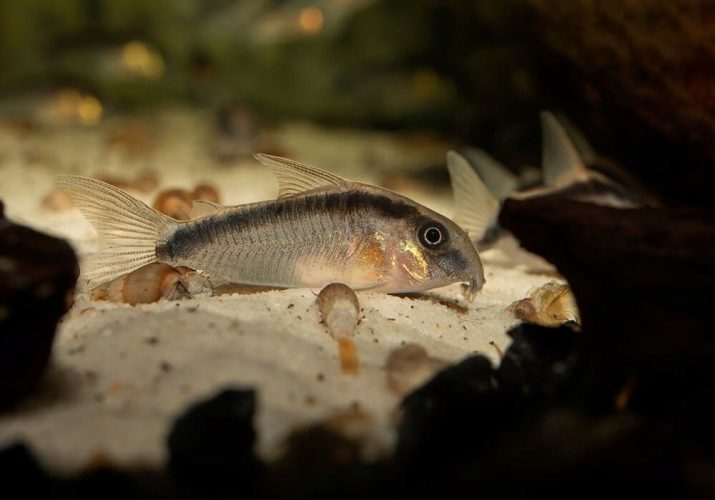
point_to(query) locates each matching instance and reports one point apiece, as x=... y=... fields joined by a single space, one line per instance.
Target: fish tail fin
x=477 y=208
x=128 y=229
x=498 y=179
x=561 y=161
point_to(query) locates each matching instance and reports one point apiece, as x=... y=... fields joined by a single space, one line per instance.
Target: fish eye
x=432 y=234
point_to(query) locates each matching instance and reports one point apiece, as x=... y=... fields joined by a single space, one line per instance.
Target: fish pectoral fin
x=561 y=162
x=499 y=180
x=296 y=178
x=202 y=208
x=477 y=208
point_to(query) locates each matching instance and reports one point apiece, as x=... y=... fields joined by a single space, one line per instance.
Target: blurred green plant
x=414 y=63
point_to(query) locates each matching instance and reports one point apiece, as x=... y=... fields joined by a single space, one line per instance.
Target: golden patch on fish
x=371 y=262
x=412 y=261
x=364 y=267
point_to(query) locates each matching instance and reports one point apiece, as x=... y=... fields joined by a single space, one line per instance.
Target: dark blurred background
x=637 y=77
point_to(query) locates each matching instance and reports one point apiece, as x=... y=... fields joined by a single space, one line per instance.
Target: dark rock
x=538 y=365
x=683 y=400
x=37 y=277
x=643 y=282
x=121 y=484
x=23 y=476
x=457 y=414
x=109 y=484
x=22 y=473
x=566 y=449
x=320 y=462
x=211 y=446
x=641 y=97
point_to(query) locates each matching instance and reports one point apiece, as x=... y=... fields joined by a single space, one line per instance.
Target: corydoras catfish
x=480 y=180
x=321 y=229
x=565 y=172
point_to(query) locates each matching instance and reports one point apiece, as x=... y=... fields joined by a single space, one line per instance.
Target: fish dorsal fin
x=296 y=178
x=561 y=162
x=584 y=149
x=202 y=208
x=498 y=179
x=476 y=207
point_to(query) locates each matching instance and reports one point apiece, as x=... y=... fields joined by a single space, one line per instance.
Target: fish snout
x=475 y=281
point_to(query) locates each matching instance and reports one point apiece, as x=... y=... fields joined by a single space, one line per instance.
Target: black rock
x=538 y=365
x=319 y=462
x=565 y=451
x=122 y=484
x=643 y=282
x=107 y=484
x=683 y=400
x=456 y=415
x=22 y=474
x=37 y=276
x=211 y=446
x=23 y=477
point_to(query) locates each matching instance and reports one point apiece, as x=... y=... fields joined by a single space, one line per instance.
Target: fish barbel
x=321 y=229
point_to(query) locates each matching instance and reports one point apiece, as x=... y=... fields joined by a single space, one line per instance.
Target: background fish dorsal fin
x=498 y=179
x=561 y=162
x=202 y=208
x=585 y=151
x=295 y=178
x=476 y=207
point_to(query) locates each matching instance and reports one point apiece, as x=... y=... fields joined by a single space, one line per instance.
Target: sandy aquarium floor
x=121 y=374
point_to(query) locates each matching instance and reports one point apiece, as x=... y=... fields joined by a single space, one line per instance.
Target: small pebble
x=409 y=366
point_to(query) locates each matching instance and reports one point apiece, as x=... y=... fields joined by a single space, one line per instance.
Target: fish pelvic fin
x=296 y=178
x=560 y=160
x=129 y=230
x=477 y=208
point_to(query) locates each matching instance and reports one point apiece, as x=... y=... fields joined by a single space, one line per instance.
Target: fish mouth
x=473 y=285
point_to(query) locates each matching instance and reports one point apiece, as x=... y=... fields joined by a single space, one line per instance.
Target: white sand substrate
x=120 y=374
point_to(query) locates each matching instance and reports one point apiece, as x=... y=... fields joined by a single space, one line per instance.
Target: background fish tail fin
x=588 y=155
x=498 y=179
x=561 y=162
x=477 y=208
x=128 y=229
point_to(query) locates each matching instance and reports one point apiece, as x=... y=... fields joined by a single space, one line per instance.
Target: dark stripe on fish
x=200 y=233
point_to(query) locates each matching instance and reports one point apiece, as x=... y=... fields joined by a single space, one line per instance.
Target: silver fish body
x=334 y=231
x=360 y=237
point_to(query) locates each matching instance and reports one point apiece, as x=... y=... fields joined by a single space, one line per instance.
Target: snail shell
x=175 y=203
x=57 y=201
x=151 y=283
x=552 y=304
x=205 y=192
x=409 y=366
x=339 y=309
